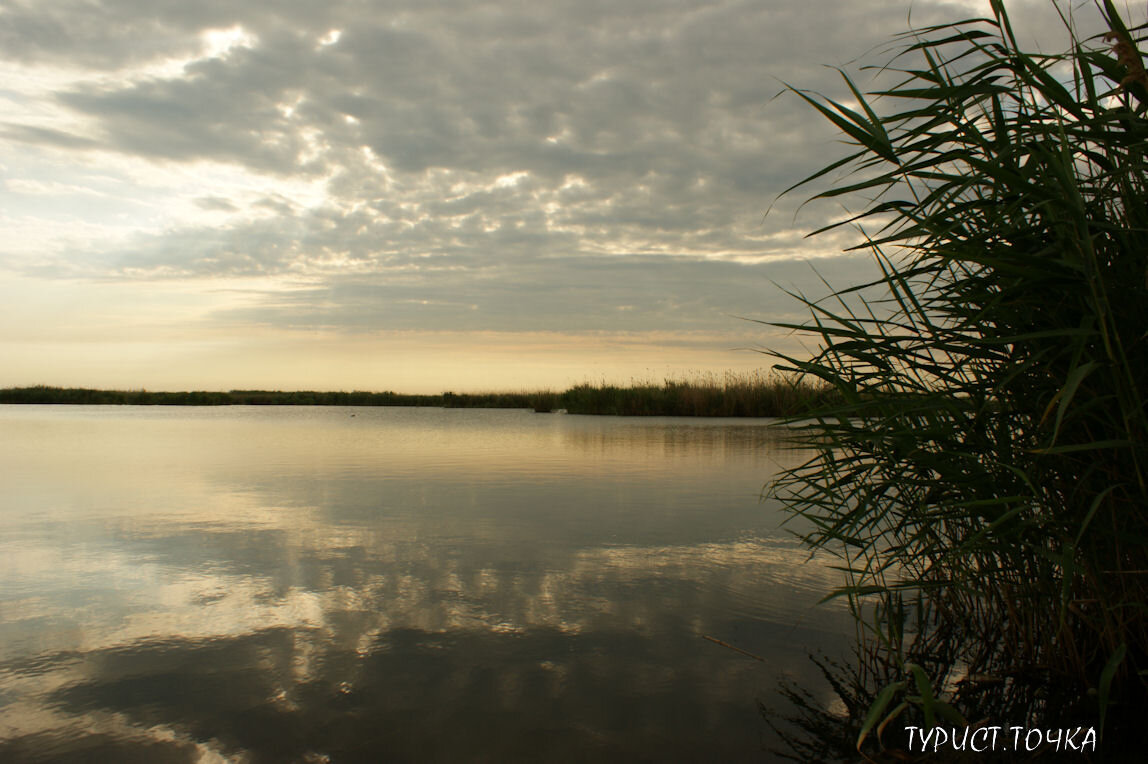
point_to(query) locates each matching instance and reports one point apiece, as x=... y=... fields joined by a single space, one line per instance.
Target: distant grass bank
x=732 y=395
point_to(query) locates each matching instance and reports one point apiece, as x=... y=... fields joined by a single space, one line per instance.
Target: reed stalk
x=983 y=475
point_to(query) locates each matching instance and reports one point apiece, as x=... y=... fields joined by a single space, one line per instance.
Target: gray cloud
x=543 y=165
x=618 y=294
x=45 y=135
x=215 y=204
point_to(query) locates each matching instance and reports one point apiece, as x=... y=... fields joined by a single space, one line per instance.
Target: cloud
x=558 y=165
x=45 y=136
x=215 y=204
x=615 y=294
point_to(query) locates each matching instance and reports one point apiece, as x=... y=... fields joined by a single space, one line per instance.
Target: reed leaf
x=987 y=447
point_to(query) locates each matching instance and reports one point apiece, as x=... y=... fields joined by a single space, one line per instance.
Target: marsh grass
x=983 y=473
x=757 y=394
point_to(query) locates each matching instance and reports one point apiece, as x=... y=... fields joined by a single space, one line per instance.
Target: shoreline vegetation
x=731 y=395
x=984 y=478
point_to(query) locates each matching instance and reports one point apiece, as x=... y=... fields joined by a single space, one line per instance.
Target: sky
x=420 y=195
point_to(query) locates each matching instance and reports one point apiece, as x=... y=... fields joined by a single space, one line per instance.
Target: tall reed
x=756 y=394
x=985 y=476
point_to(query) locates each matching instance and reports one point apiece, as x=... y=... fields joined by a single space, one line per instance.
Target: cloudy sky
x=417 y=195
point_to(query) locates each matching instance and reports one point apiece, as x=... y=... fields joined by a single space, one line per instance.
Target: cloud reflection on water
x=305 y=590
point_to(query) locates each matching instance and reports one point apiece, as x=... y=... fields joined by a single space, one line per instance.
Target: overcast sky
x=416 y=195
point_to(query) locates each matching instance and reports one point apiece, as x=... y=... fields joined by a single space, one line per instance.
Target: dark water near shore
x=390 y=584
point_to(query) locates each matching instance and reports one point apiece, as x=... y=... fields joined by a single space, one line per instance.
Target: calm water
x=388 y=584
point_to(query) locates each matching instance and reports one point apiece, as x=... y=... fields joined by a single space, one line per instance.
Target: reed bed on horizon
x=752 y=394
x=756 y=394
x=46 y=394
x=983 y=473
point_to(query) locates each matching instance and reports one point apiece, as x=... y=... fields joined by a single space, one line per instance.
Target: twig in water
x=717 y=641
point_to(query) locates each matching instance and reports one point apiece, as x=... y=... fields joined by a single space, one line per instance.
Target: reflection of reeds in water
x=811 y=730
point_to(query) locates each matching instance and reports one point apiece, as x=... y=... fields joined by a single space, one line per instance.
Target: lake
x=304 y=584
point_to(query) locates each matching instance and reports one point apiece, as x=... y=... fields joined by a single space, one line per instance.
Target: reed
x=983 y=475
x=730 y=395
x=756 y=394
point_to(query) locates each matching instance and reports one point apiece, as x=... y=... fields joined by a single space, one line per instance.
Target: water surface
x=263 y=584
